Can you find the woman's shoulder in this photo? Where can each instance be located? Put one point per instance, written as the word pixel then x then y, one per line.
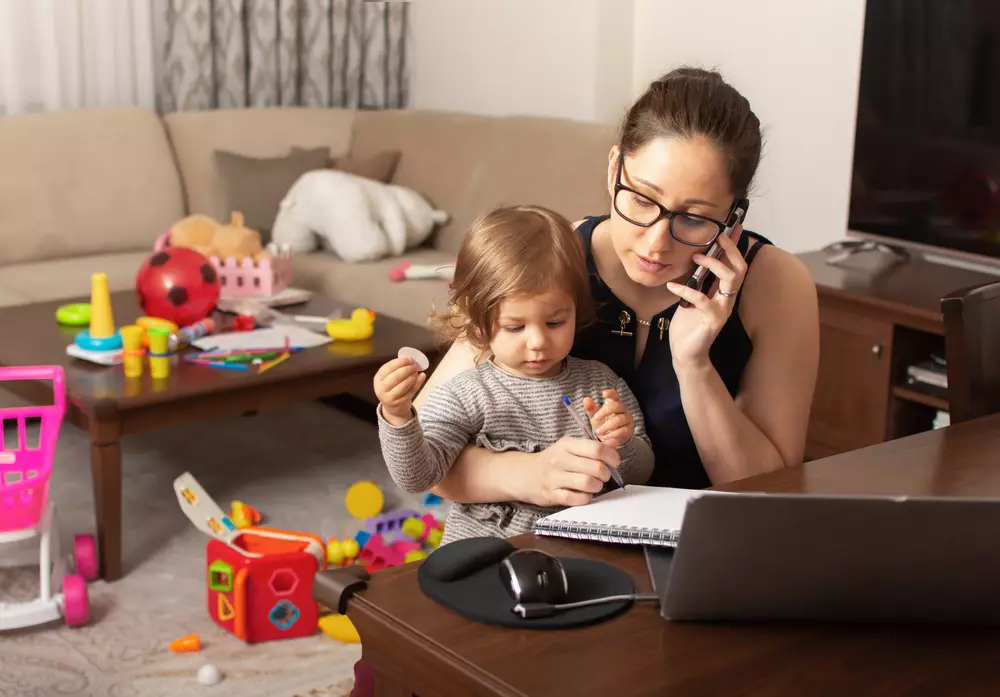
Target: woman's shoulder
pixel 777 287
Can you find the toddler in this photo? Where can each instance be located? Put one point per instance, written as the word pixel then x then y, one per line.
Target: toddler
pixel 519 293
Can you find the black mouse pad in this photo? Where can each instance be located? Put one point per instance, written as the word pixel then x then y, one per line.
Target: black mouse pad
pixel 482 597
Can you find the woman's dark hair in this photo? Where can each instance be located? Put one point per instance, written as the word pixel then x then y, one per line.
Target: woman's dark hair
pixel 690 102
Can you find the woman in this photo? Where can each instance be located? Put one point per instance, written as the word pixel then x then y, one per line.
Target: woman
pixel 726 383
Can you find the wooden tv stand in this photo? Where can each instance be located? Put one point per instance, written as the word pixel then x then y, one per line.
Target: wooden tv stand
pixel 873 325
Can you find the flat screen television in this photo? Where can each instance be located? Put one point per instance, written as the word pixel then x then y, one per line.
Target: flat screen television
pixel 926 171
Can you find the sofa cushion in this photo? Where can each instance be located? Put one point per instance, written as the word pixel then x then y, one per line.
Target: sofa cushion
pixel 443 158
pixel 570 178
pixel 254 186
pixel 259 132
pixel 367 284
pixel 60 279
pixel 84 181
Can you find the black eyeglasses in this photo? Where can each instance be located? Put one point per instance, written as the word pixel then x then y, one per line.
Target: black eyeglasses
pixel 639 209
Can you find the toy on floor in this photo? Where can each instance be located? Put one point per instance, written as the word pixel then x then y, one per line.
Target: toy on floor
pixel 364 500
pixel 360 325
pixel 186 644
pixel 27 511
pixel 408 271
pixel 243 516
pixel 209 675
pixel 101 343
pixel 339 627
pixel 177 284
pixel 259 579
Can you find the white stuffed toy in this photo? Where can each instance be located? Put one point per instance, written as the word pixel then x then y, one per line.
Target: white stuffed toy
pixel 359 219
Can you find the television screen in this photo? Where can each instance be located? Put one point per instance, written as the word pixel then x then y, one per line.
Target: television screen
pixel 927 143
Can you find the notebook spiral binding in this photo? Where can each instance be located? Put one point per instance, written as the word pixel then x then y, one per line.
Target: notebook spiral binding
pixel 609 533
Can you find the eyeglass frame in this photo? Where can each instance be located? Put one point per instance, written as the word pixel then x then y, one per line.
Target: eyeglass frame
pixel 739 203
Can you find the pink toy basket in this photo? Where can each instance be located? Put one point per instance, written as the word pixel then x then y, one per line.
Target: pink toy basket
pixel 247 279
pixel 24 470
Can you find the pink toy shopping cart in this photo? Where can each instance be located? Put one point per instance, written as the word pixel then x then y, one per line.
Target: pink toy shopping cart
pixel 26 511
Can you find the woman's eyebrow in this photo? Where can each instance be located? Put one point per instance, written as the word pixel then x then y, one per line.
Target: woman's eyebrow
pixel 686 202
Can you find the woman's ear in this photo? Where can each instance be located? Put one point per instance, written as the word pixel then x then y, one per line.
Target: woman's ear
pixel 612 169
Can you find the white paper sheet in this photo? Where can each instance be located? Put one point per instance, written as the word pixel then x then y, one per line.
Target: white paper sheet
pixel 270 337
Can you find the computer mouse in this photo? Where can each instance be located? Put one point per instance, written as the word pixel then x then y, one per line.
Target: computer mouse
pixel 533 576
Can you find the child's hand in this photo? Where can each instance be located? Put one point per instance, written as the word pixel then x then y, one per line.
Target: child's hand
pixel 396 383
pixel 612 423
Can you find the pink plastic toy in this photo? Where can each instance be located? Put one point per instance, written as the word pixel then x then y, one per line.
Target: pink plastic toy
pixel 248 279
pixel 26 511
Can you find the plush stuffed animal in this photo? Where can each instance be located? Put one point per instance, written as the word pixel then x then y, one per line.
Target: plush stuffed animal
pixel 358 219
pixel 209 237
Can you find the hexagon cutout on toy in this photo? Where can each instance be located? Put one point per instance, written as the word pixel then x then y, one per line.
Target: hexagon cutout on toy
pixel 283 582
pixel 283 615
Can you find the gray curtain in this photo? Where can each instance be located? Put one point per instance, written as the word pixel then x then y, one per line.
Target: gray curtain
pixel 265 53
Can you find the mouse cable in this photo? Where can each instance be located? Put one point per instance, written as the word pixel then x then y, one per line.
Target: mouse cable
pixel 533 610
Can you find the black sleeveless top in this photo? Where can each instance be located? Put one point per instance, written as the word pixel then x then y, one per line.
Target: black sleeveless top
pixel 654 381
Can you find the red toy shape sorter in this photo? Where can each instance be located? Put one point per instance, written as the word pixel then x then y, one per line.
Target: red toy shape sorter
pixel 259 579
pixel 260 585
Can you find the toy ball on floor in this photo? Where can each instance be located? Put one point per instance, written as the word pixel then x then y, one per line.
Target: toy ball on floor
pixel 177 284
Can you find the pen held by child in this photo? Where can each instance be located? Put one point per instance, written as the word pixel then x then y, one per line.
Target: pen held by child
pixel 615 474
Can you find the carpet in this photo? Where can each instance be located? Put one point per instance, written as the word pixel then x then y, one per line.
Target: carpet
pixel 293 464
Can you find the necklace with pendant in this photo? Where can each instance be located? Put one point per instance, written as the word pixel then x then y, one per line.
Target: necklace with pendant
pixel 624 318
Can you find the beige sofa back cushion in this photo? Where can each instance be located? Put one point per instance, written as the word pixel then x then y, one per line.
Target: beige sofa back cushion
pixel 262 132
pixel 84 182
pixel 466 164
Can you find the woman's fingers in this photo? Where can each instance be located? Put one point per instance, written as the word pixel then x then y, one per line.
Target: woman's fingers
pixel 696 298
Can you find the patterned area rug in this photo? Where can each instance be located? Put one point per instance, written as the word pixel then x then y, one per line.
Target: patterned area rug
pixel 293 464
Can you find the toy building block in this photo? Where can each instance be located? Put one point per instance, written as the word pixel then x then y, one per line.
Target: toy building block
pixel 364 500
pixel 362 538
pixel 342 552
pixel 404 547
pixel 421 528
pixel 415 555
pixel 186 644
pixel 431 499
pixel 389 522
pixel 433 538
pixel 377 555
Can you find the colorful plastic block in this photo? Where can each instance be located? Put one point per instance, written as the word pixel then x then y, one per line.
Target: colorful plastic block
pixel 431 499
pixel 389 522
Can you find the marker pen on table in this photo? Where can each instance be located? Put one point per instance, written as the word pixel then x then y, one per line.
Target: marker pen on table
pixel 615 474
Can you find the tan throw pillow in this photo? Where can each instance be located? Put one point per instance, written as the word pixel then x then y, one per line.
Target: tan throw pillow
pixel 381 166
pixel 255 185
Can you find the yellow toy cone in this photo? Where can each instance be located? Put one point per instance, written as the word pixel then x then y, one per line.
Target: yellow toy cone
pixel 102 324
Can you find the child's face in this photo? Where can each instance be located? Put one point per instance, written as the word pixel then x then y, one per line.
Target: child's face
pixel 535 332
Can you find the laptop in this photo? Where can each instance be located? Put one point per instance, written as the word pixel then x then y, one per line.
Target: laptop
pixel 807 557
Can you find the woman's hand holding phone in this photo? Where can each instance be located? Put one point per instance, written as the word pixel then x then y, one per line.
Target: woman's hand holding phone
pixel 693 328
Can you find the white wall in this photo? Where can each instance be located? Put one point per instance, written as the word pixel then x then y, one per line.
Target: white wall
pixel 797 63
pixel 561 58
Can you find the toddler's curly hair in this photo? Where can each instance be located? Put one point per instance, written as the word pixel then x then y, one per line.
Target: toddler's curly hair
pixel 511 251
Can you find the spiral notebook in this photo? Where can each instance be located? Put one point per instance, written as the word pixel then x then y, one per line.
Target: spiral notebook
pixel 638 515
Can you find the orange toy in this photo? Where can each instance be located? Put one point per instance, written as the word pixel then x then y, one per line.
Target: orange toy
pixel 186 644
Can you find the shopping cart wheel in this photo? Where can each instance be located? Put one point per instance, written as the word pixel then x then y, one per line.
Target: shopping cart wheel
pixel 76 604
pixel 85 556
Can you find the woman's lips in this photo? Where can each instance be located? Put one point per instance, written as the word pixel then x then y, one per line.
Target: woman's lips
pixel 649 265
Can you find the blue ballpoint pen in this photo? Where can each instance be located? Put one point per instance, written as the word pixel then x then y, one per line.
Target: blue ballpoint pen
pixel 615 474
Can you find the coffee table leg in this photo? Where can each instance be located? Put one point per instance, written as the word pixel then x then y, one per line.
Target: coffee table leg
pixel 106 472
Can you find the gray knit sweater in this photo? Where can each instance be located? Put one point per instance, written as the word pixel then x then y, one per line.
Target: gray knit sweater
pixel 490 407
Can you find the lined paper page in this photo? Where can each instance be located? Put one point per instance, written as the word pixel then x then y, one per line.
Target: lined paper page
pixel 653 507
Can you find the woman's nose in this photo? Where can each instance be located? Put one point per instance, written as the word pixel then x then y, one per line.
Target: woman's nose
pixel 658 236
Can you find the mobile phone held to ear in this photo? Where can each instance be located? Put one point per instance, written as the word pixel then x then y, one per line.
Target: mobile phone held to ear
pixel 702 278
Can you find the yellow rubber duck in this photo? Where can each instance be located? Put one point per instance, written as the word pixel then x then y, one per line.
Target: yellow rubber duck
pixel 361 325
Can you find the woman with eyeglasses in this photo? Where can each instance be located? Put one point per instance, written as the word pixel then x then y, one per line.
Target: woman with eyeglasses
pixel 724 374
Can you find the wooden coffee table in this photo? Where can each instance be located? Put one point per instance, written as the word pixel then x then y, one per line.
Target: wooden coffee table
pixel 102 401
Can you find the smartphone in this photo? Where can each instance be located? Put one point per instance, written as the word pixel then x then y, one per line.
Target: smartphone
pixel 702 278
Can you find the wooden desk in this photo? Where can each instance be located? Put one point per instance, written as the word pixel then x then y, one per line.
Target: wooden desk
pixel 418 647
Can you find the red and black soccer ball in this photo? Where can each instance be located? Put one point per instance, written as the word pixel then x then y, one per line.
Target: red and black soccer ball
pixel 177 284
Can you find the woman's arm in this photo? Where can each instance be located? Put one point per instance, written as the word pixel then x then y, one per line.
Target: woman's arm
pixel 764 428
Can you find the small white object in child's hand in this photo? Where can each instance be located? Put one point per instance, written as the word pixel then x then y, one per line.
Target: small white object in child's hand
pixel 418 357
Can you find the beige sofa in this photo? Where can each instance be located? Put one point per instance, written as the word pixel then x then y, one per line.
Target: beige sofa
pixel 89 190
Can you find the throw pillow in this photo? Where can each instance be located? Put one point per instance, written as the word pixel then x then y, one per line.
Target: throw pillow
pixel 255 186
pixel 380 167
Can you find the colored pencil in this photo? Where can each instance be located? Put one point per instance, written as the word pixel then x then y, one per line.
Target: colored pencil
pixel 216 364
pixel 276 361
